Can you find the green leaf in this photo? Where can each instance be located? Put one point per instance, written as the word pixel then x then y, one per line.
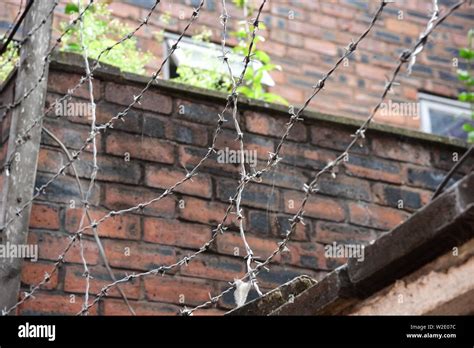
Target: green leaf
pixel 466 53
pixel 246 91
pixel 262 56
pixel 72 47
pixel 466 97
pixel 468 127
pixel 71 8
pixel 463 75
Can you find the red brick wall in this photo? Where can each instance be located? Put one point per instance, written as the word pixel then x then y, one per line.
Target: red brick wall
pixel 305 37
pixel 356 207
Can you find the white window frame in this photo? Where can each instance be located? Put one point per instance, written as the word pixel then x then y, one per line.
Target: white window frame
pixel 428 101
pixel 169 39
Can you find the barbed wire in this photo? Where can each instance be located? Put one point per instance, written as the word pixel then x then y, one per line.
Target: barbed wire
pixel 221 228
pixel 46 60
pixel 88 215
pixel 245 178
pixel 240 137
pixel 312 186
pixel 232 99
pixel 433 18
pixel 24 137
pixel 95 166
pixel 19 43
pixel 12 24
pixel 75 156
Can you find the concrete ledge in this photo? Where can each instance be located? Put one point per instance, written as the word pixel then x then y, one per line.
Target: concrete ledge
pixel 279 296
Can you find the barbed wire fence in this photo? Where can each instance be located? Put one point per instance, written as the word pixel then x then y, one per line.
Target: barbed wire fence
pixel 253 265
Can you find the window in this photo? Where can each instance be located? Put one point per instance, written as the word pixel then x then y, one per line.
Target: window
pixel 444 116
pixel 205 56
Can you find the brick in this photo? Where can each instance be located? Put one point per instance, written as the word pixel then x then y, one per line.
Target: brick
pixel 306 255
pixel 375 216
pixel 371 72
pixel 189 133
pixel 145 148
pixel 123 197
pixel 132 121
pixel 61 82
pixel 121 226
pixel 392 195
pixel 258 222
pixel 136 255
pixel 275 126
pixel 253 144
pixel 329 232
pixel 215 267
pixel 257 196
pixel 161 177
pixel 317 207
pixel 50 160
pixel 199 113
pixel 151 100
pixel 401 151
pixel 64 189
pixel 347 187
pixel 261 145
pixel 337 11
pixel 110 169
pixel 72 136
pixel 287 38
pixel 155 126
pixel 50 246
pixel 175 233
pixel 33 273
pixel 178 290
pixel 74 281
pixel 44 216
pixel 427 177
pixel 280 224
pixel 402 27
pixel 373 168
pixel 191 156
pixel 445 158
pixel 334 138
pixel 305 156
pixel 320 46
pixel 325 21
pixel 46 303
pixel 203 211
pixel 232 244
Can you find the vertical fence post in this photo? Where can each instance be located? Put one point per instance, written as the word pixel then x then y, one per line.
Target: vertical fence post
pixel 19 185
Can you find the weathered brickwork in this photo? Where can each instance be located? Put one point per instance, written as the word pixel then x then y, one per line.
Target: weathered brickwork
pixel 379 186
pixel 305 37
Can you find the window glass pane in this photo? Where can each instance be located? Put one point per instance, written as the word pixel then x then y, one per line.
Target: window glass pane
pixel 448 123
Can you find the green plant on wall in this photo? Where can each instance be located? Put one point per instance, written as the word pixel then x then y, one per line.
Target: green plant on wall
pixel 102 31
pixel 467 78
pixel 217 79
pixel 253 86
pixel 211 78
pixel 7 61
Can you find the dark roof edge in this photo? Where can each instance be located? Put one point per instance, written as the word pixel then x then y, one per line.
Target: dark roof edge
pixel 444 223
